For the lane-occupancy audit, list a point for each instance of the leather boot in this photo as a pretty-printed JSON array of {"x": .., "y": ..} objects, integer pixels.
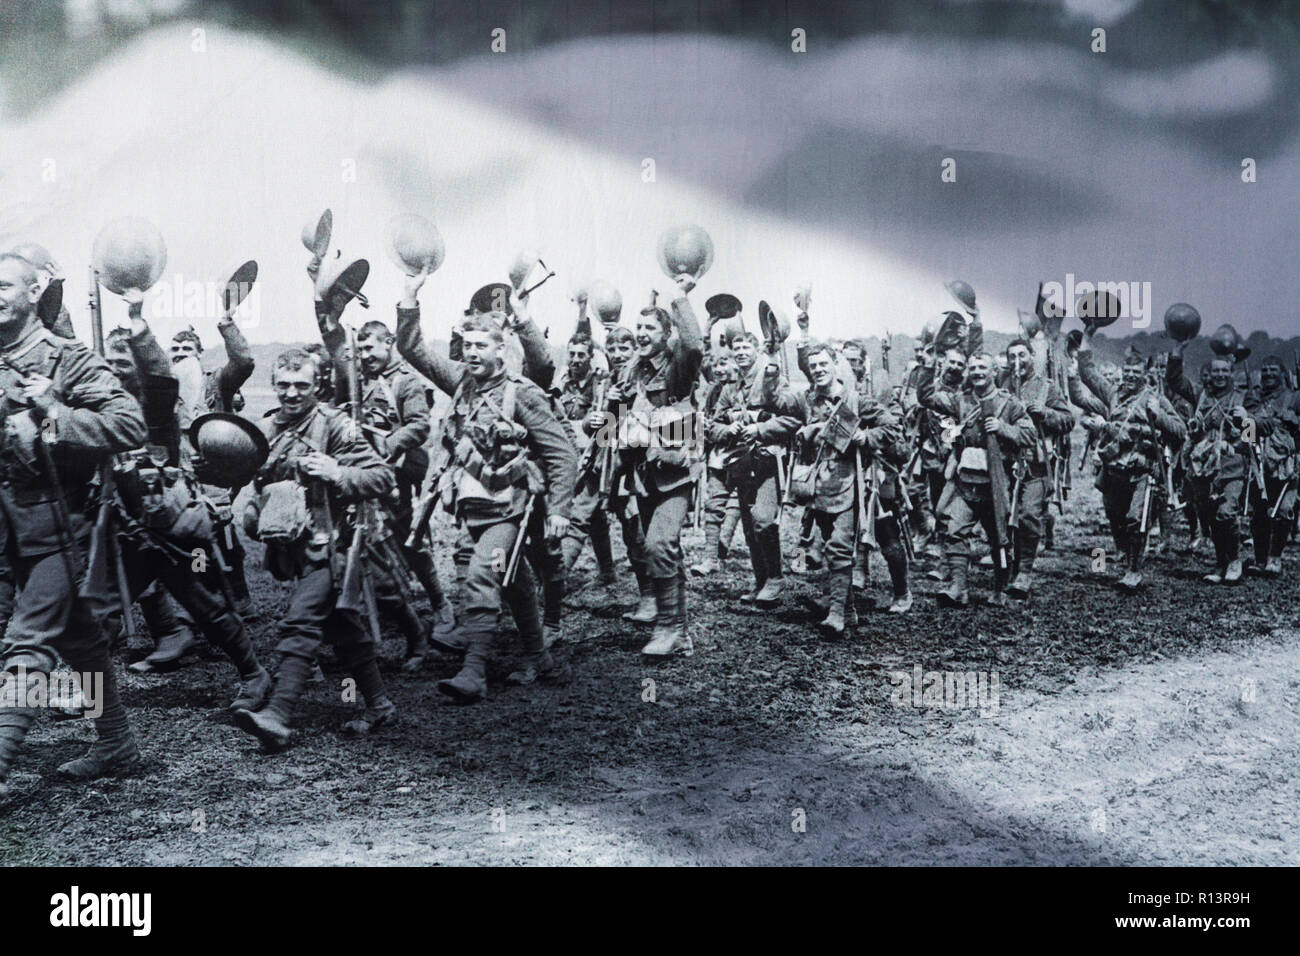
[
  {"x": 1132, "y": 579},
  {"x": 270, "y": 725},
  {"x": 1221, "y": 558},
  {"x": 645, "y": 609},
  {"x": 417, "y": 641},
  {"x": 604, "y": 551},
  {"x": 839, "y": 587},
  {"x": 1026, "y": 552},
  {"x": 955, "y": 594},
  {"x": 538, "y": 665},
  {"x": 470, "y": 685},
  {"x": 15, "y": 721},
  {"x": 713, "y": 551},
  {"x": 364, "y": 668},
  {"x": 896, "y": 562},
  {"x": 226, "y": 632},
  {"x": 670, "y": 635},
  {"x": 1231, "y": 550},
  {"x": 114, "y": 751},
  {"x": 768, "y": 544},
  {"x": 173, "y": 640}
]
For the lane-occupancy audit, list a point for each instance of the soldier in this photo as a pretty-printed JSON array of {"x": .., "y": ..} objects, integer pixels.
[
  {"x": 659, "y": 453},
  {"x": 1216, "y": 459},
  {"x": 162, "y": 523},
  {"x": 395, "y": 413},
  {"x": 979, "y": 411},
  {"x": 64, "y": 414},
  {"x": 1275, "y": 408},
  {"x": 220, "y": 393},
  {"x": 1129, "y": 423},
  {"x": 1052, "y": 420},
  {"x": 749, "y": 423},
  {"x": 721, "y": 510},
  {"x": 839, "y": 425},
  {"x": 506, "y": 454},
  {"x": 577, "y": 393},
  {"x": 318, "y": 464},
  {"x": 620, "y": 345}
]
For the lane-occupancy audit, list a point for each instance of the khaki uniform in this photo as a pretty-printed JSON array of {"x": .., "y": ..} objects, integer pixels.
[
  {"x": 502, "y": 446},
  {"x": 46, "y": 546}
]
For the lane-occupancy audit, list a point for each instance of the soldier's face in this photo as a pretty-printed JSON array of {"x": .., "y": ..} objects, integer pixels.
[
  {"x": 579, "y": 360},
  {"x": 20, "y": 290},
  {"x": 743, "y": 351},
  {"x": 1018, "y": 359},
  {"x": 118, "y": 357},
  {"x": 977, "y": 371},
  {"x": 481, "y": 354},
  {"x": 954, "y": 365},
  {"x": 1270, "y": 375},
  {"x": 1132, "y": 376},
  {"x": 651, "y": 337},
  {"x": 183, "y": 349},
  {"x": 857, "y": 361},
  {"x": 620, "y": 351},
  {"x": 296, "y": 388},
  {"x": 821, "y": 369},
  {"x": 1220, "y": 375},
  {"x": 374, "y": 353}
]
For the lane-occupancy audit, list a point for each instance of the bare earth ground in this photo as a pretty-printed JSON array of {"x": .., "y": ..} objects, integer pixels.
[{"x": 1158, "y": 729}]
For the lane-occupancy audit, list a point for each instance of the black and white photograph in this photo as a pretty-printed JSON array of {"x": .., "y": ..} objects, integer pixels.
[{"x": 701, "y": 433}]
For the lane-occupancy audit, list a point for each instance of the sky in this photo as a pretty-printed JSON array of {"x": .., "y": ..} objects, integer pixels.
[{"x": 821, "y": 167}]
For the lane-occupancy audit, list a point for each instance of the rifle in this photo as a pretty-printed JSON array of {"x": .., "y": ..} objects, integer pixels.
[
  {"x": 512, "y": 565},
  {"x": 103, "y": 549},
  {"x": 356, "y": 593},
  {"x": 997, "y": 486},
  {"x": 868, "y": 503}
]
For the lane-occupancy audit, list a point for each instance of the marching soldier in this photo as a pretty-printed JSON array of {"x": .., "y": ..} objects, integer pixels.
[
  {"x": 992, "y": 431},
  {"x": 1275, "y": 408},
  {"x": 721, "y": 511},
  {"x": 840, "y": 424},
  {"x": 64, "y": 413},
  {"x": 510, "y": 472},
  {"x": 620, "y": 345},
  {"x": 162, "y": 522},
  {"x": 1052, "y": 420},
  {"x": 1216, "y": 459},
  {"x": 577, "y": 394},
  {"x": 659, "y": 453},
  {"x": 1129, "y": 423},
  {"x": 296, "y": 505},
  {"x": 748, "y": 425},
  {"x": 220, "y": 393},
  {"x": 395, "y": 413}
]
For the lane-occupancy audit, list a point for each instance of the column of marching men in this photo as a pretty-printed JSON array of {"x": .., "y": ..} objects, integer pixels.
[{"x": 128, "y": 477}]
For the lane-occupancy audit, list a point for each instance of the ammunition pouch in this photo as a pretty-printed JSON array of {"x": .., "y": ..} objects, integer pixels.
[
  {"x": 973, "y": 465},
  {"x": 283, "y": 519}
]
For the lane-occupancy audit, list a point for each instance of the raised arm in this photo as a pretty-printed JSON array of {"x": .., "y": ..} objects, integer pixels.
[
  {"x": 239, "y": 361},
  {"x": 443, "y": 372}
]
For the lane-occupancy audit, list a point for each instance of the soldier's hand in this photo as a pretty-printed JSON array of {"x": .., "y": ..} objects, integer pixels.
[
  {"x": 860, "y": 438},
  {"x": 39, "y": 392},
  {"x": 556, "y": 526},
  {"x": 320, "y": 466},
  {"x": 992, "y": 425},
  {"x": 594, "y": 421},
  {"x": 685, "y": 282},
  {"x": 801, "y": 320},
  {"x": 749, "y": 432},
  {"x": 411, "y": 288},
  {"x": 313, "y": 269}
]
